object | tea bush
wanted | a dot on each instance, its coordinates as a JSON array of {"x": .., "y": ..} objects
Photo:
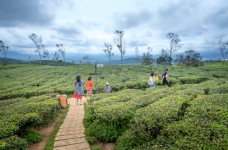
[
  {"x": 204, "y": 126},
  {"x": 21, "y": 114},
  {"x": 147, "y": 122},
  {"x": 14, "y": 143}
]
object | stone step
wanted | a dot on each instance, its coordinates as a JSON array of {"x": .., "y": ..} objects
[{"x": 69, "y": 142}]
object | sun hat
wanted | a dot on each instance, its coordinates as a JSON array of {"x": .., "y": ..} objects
[{"x": 107, "y": 83}]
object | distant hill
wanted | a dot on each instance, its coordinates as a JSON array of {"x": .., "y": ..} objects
[
  {"x": 127, "y": 61},
  {"x": 11, "y": 61},
  {"x": 52, "y": 63}
]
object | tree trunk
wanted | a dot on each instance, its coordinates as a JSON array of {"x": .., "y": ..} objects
[
  {"x": 40, "y": 60},
  {"x": 109, "y": 59},
  {"x": 121, "y": 58}
]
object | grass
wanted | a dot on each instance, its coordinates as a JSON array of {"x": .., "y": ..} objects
[
  {"x": 217, "y": 65},
  {"x": 50, "y": 143}
]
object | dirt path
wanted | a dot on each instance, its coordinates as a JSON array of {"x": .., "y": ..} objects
[
  {"x": 47, "y": 132},
  {"x": 71, "y": 133}
]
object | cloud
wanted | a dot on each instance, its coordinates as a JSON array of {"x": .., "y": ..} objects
[
  {"x": 83, "y": 26},
  {"x": 15, "y": 12}
]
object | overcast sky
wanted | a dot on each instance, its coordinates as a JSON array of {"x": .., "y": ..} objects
[{"x": 82, "y": 26}]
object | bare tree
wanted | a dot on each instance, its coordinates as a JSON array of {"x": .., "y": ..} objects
[
  {"x": 108, "y": 51},
  {"x": 147, "y": 58},
  {"x": 164, "y": 53},
  {"x": 38, "y": 43},
  {"x": 62, "y": 51},
  {"x": 4, "y": 49},
  {"x": 118, "y": 40},
  {"x": 175, "y": 43},
  {"x": 46, "y": 53},
  {"x": 56, "y": 57},
  {"x": 86, "y": 58},
  {"x": 137, "y": 55},
  {"x": 222, "y": 48}
]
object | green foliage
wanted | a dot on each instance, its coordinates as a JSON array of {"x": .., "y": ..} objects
[
  {"x": 14, "y": 143},
  {"x": 5, "y": 63},
  {"x": 147, "y": 58},
  {"x": 204, "y": 126},
  {"x": 21, "y": 114},
  {"x": 33, "y": 136},
  {"x": 192, "y": 79},
  {"x": 135, "y": 117},
  {"x": 190, "y": 59},
  {"x": 96, "y": 148},
  {"x": 107, "y": 132},
  {"x": 91, "y": 139}
]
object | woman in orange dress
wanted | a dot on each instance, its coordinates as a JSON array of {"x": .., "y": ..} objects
[{"x": 89, "y": 86}]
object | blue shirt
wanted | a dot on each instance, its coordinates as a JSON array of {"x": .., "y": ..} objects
[{"x": 165, "y": 76}]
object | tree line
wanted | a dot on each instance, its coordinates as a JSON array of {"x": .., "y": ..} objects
[{"x": 188, "y": 58}]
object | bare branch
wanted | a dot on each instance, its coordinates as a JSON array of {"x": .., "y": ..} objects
[
  {"x": 4, "y": 49},
  {"x": 108, "y": 51},
  {"x": 175, "y": 43},
  {"x": 118, "y": 40}
]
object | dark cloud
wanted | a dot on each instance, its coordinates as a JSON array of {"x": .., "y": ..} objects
[
  {"x": 15, "y": 12},
  {"x": 219, "y": 17}
]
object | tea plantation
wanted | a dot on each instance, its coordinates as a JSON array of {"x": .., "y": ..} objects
[{"x": 192, "y": 114}]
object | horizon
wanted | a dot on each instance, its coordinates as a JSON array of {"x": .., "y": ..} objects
[{"x": 83, "y": 27}]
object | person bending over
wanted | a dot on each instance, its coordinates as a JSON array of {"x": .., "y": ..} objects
[{"x": 107, "y": 89}]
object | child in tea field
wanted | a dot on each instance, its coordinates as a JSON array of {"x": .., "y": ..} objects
[
  {"x": 165, "y": 78},
  {"x": 107, "y": 89},
  {"x": 89, "y": 86},
  {"x": 79, "y": 89},
  {"x": 152, "y": 80}
]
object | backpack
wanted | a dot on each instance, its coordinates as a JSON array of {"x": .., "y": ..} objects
[{"x": 150, "y": 82}]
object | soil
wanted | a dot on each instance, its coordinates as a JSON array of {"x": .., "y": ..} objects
[
  {"x": 105, "y": 146},
  {"x": 47, "y": 132}
]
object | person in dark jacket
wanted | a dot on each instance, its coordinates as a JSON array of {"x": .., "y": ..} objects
[
  {"x": 165, "y": 77},
  {"x": 79, "y": 89}
]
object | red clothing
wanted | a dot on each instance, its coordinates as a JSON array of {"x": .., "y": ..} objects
[
  {"x": 89, "y": 84},
  {"x": 77, "y": 96}
]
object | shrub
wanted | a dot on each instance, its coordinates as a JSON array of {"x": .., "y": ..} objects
[
  {"x": 96, "y": 148},
  {"x": 192, "y": 133},
  {"x": 14, "y": 143},
  {"x": 33, "y": 136},
  {"x": 211, "y": 107},
  {"x": 106, "y": 132},
  {"x": 147, "y": 122},
  {"x": 219, "y": 89},
  {"x": 5, "y": 63},
  {"x": 191, "y": 79}
]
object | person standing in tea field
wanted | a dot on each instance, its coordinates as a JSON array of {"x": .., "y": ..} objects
[
  {"x": 165, "y": 77},
  {"x": 89, "y": 86},
  {"x": 79, "y": 89},
  {"x": 152, "y": 80},
  {"x": 107, "y": 89}
]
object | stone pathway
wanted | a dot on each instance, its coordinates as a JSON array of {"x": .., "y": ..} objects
[{"x": 71, "y": 133}]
